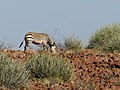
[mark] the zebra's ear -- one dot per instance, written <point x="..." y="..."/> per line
<point x="54" y="44"/>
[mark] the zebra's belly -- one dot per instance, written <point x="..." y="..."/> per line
<point x="37" y="42"/>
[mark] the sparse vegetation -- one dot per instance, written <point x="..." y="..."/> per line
<point x="12" y="74"/>
<point x="3" y="45"/>
<point x="106" y="39"/>
<point x="73" y="43"/>
<point x="48" y="66"/>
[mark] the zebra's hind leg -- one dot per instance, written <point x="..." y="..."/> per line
<point x="26" y="45"/>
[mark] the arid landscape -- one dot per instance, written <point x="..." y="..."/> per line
<point x="93" y="70"/>
<point x="59" y="45"/>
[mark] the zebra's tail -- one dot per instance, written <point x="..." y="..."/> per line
<point x="21" y="43"/>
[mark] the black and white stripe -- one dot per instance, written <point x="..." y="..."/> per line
<point x="29" y="37"/>
<point x="37" y="39"/>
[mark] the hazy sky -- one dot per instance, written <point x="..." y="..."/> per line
<point x="79" y="17"/>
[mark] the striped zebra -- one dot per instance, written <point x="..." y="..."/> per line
<point x="39" y="39"/>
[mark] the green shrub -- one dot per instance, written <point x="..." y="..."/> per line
<point x="48" y="66"/>
<point x="72" y="43"/>
<point x="12" y="73"/>
<point x="106" y="39"/>
<point x="113" y="45"/>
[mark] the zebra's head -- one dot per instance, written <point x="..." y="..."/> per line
<point x="53" y="47"/>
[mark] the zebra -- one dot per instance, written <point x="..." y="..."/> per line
<point x="39" y="39"/>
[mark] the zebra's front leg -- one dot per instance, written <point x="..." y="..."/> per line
<point x="45" y="47"/>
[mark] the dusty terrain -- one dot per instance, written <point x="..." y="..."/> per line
<point x="93" y="70"/>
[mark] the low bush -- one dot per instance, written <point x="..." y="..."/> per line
<point x="47" y="66"/>
<point x="113" y="45"/>
<point x="73" y="43"/>
<point x="12" y="73"/>
<point x="106" y="39"/>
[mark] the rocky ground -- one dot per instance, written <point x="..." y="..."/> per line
<point x="93" y="70"/>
